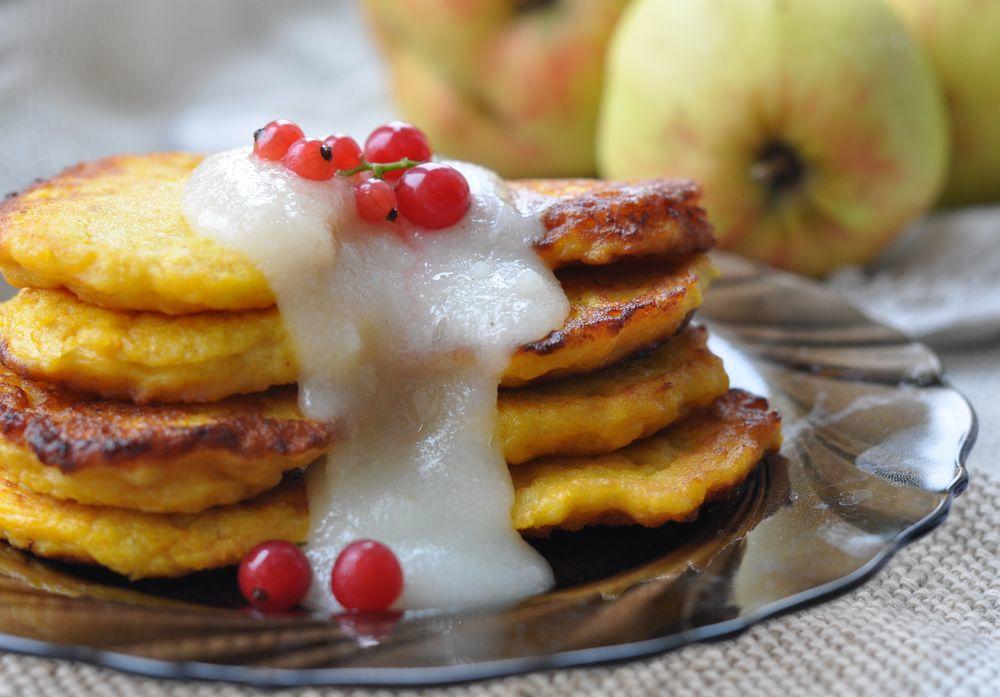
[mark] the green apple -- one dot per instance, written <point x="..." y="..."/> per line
<point x="817" y="129"/>
<point x="962" y="38"/>
<point x="514" y="85"/>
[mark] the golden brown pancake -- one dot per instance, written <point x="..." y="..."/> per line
<point x="603" y="411"/>
<point x="595" y="222"/>
<point x="160" y="458"/>
<point x="140" y="545"/>
<point x="112" y="232"/>
<point x="615" y="311"/>
<point x="666" y="477"/>
<point x="156" y="458"/>
<point x="51" y="335"/>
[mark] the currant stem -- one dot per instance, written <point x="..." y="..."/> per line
<point x="379" y="168"/>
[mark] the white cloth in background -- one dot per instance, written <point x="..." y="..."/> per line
<point x="79" y="80"/>
<point x="940" y="283"/>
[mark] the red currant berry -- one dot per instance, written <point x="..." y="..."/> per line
<point x="310" y="159"/>
<point x="396" y="140"/>
<point x="432" y="195"/>
<point x="366" y="577"/>
<point x="376" y="201"/>
<point x="274" y="576"/>
<point x="346" y="151"/>
<point x="272" y="141"/>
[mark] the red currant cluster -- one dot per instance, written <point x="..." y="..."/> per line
<point x="392" y="175"/>
<point x="276" y="575"/>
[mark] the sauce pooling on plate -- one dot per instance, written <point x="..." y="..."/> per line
<point x="402" y="336"/>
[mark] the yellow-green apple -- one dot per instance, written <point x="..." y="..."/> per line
<point x="512" y="84"/>
<point x="816" y="128"/>
<point x="962" y="38"/>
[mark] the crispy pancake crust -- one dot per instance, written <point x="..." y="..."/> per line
<point x="666" y="477"/>
<point x="597" y="413"/>
<point x="112" y="232"/>
<point x="598" y="222"/>
<point x="155" y="458"/>
<point x="185" y="459"/>
<point x="614" y="312"/>
<point x="148" y="356"/>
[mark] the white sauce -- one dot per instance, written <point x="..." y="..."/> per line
<point x="402" y="335"/>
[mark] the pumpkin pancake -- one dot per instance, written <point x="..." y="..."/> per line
<point x="156" y="458"/>
<point x="614" y="312"/>
<point x="142" y="545"/>
<point x="112" y="232"/>
<point x="161" y="458"/>
<point x="51" y="335"/>
<point x="666" y="477"/>
<point x="606" y="410"/>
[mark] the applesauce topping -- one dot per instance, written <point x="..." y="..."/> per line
<point x="402" y="334"/>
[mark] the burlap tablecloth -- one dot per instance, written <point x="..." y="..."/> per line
<point x="80" y="79"/>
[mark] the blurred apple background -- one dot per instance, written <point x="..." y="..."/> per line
<point x="828" y="135"/>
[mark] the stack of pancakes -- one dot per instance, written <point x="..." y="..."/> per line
<point x="148" y="412"/>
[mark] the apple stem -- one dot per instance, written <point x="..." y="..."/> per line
<point x="526" y="6"/>
<point x="778" y="168"/>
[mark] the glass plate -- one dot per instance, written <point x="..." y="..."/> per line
<point x="874" y="449"/>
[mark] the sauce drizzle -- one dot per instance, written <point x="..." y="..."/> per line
<point x="402" y="335"/>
